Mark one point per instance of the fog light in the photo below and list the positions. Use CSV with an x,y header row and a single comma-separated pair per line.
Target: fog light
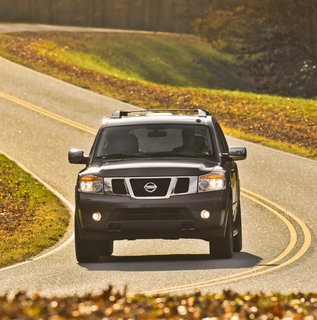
x,y
205,214
96,216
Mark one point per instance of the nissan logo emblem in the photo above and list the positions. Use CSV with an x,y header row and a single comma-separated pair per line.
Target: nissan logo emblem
x,y
150,187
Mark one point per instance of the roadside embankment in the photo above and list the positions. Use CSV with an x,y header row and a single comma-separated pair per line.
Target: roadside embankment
x,y
32,217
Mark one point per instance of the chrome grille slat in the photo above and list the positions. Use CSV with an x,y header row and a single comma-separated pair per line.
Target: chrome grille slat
x,y
129,181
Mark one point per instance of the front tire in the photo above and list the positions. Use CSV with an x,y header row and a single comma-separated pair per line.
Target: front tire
x,y
237,239
107,248
90,250
222,248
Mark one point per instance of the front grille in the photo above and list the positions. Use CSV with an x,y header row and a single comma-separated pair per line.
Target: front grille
x,y
153,187
118,186
139,187
140,214
182,185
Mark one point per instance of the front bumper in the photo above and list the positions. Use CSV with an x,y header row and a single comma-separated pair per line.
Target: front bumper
x,y
172,218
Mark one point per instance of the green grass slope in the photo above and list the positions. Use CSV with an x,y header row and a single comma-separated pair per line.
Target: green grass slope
x,y
176,60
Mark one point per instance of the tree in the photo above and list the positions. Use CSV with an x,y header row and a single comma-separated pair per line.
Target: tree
x,y
277,40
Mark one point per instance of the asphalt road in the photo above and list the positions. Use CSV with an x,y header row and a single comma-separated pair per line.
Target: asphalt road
x,y
42,118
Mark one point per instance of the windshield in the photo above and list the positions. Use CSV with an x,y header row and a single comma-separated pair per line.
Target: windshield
x,y
155,140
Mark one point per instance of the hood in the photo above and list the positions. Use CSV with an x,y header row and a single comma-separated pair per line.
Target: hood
x,y
153,168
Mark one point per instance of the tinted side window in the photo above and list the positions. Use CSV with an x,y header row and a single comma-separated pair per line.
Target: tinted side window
x,y
221,138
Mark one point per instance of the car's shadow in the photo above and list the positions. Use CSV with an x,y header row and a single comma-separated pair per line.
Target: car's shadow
x,y
172,262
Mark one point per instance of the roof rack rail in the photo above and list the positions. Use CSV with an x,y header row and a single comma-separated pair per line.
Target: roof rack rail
x,y
124,113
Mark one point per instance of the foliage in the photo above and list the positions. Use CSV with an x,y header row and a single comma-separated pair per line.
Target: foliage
x,y
289,124
32,219
115,305
155,15
276,39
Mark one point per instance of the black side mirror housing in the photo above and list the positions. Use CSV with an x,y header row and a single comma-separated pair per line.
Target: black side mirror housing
x,y
237,153
76,156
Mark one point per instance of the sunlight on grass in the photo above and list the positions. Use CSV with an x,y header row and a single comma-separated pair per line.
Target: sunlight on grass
x,y
172,60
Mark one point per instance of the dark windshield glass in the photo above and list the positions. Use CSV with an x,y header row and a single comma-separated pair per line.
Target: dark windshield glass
x,y
155,140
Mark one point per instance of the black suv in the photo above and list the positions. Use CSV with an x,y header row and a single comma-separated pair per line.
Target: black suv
x,y
158,175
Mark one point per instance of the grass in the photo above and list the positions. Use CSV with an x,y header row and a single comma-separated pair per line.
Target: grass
x,y
32,218
169,71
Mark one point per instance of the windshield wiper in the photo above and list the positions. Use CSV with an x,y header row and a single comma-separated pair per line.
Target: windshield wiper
x,y
171,154
119,156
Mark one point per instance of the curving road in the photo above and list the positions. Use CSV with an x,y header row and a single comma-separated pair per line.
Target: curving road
x,y
42,118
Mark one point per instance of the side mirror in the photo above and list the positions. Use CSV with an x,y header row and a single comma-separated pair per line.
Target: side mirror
x,y
76,156
237,153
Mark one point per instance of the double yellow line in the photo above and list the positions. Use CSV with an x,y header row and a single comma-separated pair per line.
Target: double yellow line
x,y
47,113
293,251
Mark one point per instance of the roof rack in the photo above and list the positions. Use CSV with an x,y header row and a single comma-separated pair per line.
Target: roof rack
x,y
124,113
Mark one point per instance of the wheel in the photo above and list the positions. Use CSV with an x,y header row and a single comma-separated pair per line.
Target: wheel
x,y
87,250
222,248
237,239
107,248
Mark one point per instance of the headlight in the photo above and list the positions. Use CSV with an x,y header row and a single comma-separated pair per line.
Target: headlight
x,y
90,183
212,181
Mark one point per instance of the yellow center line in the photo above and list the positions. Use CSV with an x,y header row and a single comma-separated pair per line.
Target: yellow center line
x,y
306,232
47,113
274,208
